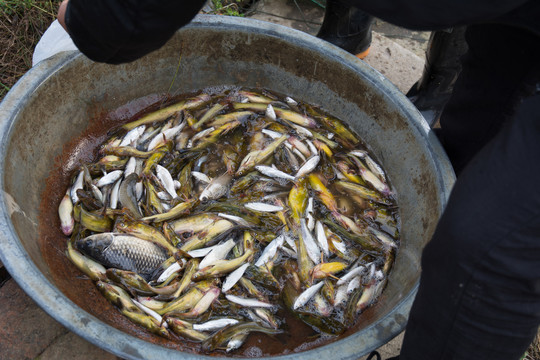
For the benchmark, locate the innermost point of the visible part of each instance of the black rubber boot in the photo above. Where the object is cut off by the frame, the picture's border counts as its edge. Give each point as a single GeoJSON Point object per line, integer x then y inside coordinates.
{"type": "Point", "coordinates": [347, 27]}
{"type": "Point", "coordinates": [374, 356]}
{"type": "Point", "coordinates": [443, 65]}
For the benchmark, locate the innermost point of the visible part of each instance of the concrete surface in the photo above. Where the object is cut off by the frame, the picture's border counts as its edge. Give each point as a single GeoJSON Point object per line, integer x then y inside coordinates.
{"type": "Point", "coordinates": [26, 332]}
{"type": "Point", "coordinates": [398, 64]}
{"type": "Point", "coordinates": [396, 53]}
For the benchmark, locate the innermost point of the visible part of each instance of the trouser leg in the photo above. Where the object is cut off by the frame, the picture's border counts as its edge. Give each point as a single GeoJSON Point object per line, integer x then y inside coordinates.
{"type": "Point", "coordinates": [346, 26]}
{"type": "Point", "coordinates": [479, 294]}
{"type": "Point", "coordinates": [441, 70]}
{"type": "Point", "coordinates": [497, 72]}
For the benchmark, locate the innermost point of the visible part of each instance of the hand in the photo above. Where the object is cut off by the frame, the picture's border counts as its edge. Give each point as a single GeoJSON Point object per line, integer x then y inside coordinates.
{"type": "Point", "coordinates": [62, 13]}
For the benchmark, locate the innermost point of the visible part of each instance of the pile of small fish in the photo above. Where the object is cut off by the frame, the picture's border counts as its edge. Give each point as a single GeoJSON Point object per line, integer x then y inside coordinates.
{"type": "Point", "coordinates": [210, 218]}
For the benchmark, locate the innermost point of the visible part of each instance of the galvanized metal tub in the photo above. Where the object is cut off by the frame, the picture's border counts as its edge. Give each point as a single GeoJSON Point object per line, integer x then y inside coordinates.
{"type": "Point", "coordinates": [54, 102]}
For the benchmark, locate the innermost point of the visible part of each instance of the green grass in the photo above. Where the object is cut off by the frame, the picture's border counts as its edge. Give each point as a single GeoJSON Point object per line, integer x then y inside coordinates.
{"type": "Point", "coordinates": [22, 23]}
{"type": "Point", "coordinates": [229, 8]}
{"type": "Point", "coordinates": [11, 7]}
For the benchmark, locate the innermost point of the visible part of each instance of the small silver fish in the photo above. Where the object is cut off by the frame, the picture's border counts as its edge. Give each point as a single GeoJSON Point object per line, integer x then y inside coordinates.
{"type": "Point", "coordinates": [274, 173]}
{"type": "Point", "coordinates": [354, 284]}
{"type": "Point", "coordinates": [114, 194]}
{"type": "Point", "coordinates": [130, 166]}
{"type": "Point", "coordinates": [162, 137]}
{"type": "Point", "coordinates": [169, 271]}
{"type": "Point", "coordinates": [218, 253]}
{"type": "Point", "coordinates": [299, 154]}
{"type": "Point", "coordinates": [139, 190]}
{"type": "Point", "coordinates": [379, 275]}
{"type": "Point", "coordinates": [272, 134]}
{"type": "Point", "coordinates": [376, 168]}
{"type": "Point", "coordinates": [384, 238]}
{"type": "Point", "coordinates": [78, 184]}
{"type": "Point", "coordinates": [132, 136]}
{"type": "Point", "coordinates": [300, 130]}
{"type": "Point", "coordinates": [166, 180]}
{"type": "Point", "coordinates": [309, 207]}
{"type": "Point", "coordinates": [263, 207]}
{"type": "Point", "coordinates": [299, 145]}
{"type": "Point", "coordinates": [290, 253]}
{"type": "Point", "coordinates": [164, 196]}
{"type": "Point", "coordinates": [270, 250]}
{"type": "Point", "coordinates": [321, 238]}
{"type": "Point", "coordinates": [270, 113]}
{"type": "Point", "coordinates": [236, 341]}
{"type": "Point", "coordinates": [311, 245]}
{"type": "Point", "coordinates": [304, 297]}
{"type": "Point", "coordinates": [308, 166]}
{"type": "Point", "coordinates": [110, 178]}
{"type": "Point", "coordinates": [146, 136]}
{"type": "Point", "coordinates": [123, 251]}
{"type": "Point", "coordinates": [340, 246]}
{"type": "Point", "coordinates": [372, 164]}
{"type": "Point", "coordinates": [150, 312]}
{"type": "Point", "coordinates": [351, 274]}
{"type": "Point", "coordinates": [97, 193]}
{"type": "Point", "coordinates": [200, 135]}
{"type": "Point", "coordinates": [236, 219]}
{"type": "Point", "coordinates": [290, 101]}
{"type": "Point", "coordinates": [290, 241]}
{"type": "Point", "coordinates": [216, 188]}
{"type": "Point", "coordinates": [201, 252]}
{"type": "Point", "coordinates": [214, 324]}
{"type": "Point", "coordinates": [128, 196]}
{"type": "Point", "coordinates": [201, 177]}
{"type": "Point", "coordinates": [340, 295]}
{"type": "Point", "coordinates": [371, 270]}
{"type": "Point", "coordinates": [233, 277]}
{"type": "Point", "coordinates": [247, 301]}
{"type": "Point", "coordinates": [312, 147]}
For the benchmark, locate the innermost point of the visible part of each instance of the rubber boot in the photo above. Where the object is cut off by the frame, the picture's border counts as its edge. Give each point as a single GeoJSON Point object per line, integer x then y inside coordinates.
{"type": "Point", "coordinates": [347, 27]}
{"type": "Point", "coordinates": [443, 65]}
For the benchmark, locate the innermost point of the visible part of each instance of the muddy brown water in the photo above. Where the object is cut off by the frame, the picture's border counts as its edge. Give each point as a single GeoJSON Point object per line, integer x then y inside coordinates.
{"type": "Point", "coordinates": [78, 288]}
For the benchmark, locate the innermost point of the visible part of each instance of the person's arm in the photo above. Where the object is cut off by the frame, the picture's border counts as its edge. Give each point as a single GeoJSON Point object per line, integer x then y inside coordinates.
{"type": "Point", "coordinates": [440, 14]}
{"type": "Point", "coordinates": [118, 31]}
{"type": "Point", "coordinates": [62, 14]}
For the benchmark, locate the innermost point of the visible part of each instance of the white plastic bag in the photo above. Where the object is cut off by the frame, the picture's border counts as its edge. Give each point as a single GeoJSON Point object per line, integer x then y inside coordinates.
{"type": "Point", "coordinates": [54, 40]}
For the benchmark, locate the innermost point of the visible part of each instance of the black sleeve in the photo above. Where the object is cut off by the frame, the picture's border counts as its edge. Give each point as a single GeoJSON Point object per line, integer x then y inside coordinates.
{"type": "Point", "coordinates": [119, 31]}
{"type": "Point", "coordinates": [440, 14]}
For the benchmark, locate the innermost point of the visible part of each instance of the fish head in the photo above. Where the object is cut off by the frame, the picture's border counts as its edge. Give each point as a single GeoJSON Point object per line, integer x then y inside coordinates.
{"type": "Point", "coordinates": [94, 245]}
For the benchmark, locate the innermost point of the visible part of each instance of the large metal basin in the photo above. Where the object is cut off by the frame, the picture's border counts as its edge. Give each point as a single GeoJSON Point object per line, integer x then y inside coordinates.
{"type": "Point", "coordinates": [53, 103]}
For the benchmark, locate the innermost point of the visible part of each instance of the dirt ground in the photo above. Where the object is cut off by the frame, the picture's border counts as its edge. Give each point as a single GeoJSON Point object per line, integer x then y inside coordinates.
{"type": "Point", "coordinates": [22, 22]}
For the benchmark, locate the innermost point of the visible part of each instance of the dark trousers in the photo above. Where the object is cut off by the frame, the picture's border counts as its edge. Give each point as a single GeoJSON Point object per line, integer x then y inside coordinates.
{"type": "Point", "coordinates": [479, 294]}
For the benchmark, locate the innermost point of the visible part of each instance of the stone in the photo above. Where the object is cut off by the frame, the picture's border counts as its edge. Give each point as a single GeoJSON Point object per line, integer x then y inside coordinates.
{"type": "Point", "coordinates": [25, 329]}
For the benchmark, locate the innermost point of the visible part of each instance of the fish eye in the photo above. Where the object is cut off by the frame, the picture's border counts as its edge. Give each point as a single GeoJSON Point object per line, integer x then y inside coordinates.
{"type": "Point", "coordinates": [187, 234]}
{"type": "Point", "coordinates": [88, 243]}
